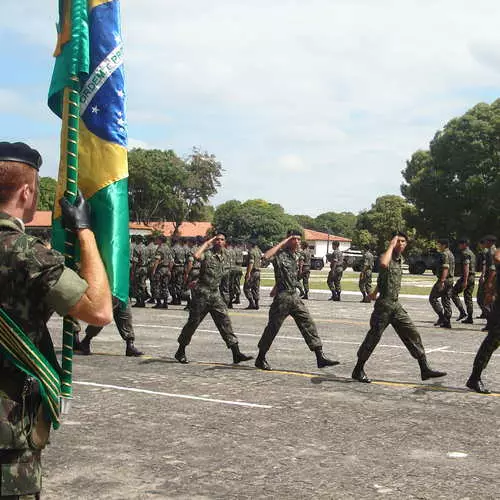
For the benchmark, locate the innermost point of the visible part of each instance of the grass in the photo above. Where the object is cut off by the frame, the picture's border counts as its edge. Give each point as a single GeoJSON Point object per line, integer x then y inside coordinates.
{"type": "Point", "coordinates": [412, 284]}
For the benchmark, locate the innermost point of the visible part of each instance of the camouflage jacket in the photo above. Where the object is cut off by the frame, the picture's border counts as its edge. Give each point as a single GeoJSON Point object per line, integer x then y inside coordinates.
{"type": "Point", "coordinates": [151, 249]}
{"type": "Point", "coordinates": [140, 258]}
{"type": "Point", "coordinates": [389, 280]}
{"type": "Point", "coordinates": [368, 261]}
{"type": "Point", "coordinates": [254, 257]}
{"type": "Point", "coordinates": [238, 257]}
{"type": "Point", "coordinates": [164, 255]}
{"type": "Point", "coordinates": [212, 269]}
{"type": "Point", "coordinates": [469, 258]}
{"type": "Point", "coordinates": [286, 267]}
{"type": "Point", "coordinates": [446, 261]}
{"type": "Point", "coordinates": [179, 255]}
{"type": "Point", "coordinates": [336, 259]}
{"type": "Point", "coordinates": [305, 258]}
{"type": "Point", "coordinates": [33, 282]}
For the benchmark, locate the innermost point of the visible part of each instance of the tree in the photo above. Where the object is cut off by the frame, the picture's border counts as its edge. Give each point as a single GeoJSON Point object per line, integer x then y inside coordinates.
{"type": "Point", "coordinates": [338, 223]}
{"type": "Point", "coordinates": [389, 213]}
{"type": "Point", "coordinates": [47, 196]}
{"type": "Point", "coordinates": [455, 184]}
{"type": "Point", "coordinates": [164, 187]}
{"type": "Point", "coordinates": [265, 222]}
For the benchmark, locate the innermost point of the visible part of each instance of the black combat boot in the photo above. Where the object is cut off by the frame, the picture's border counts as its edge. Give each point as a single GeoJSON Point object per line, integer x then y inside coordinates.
{"type": "Point", "coordinates": [338, 297]}
{"type": "Point", "coordinates": [139, 303]}
{"type": "Point", "coordinates": [230, 305]}
{"type": "Point", "coordinates": [237, 300]}
{"type": "Point", "coordinates": [84, 347]}
{"type": "Point", "coordinates": [151, 300]}
{"type": "Point", "coordinates": [468, 320]}
{"type": "Point", "coordinates": [333, 296]}
{"type": "Point", "coordinates": [306, 296]}
{"type": "Point", "coordinates": [131, 350]}
{"type": "Point", "coordinates": [461, 316]}
{"type": "Point", "coordinates": [427, 372]}
{"type": "Point", "coordinates": [238, 356]}
{"type": "Point", "coordinates": [251, 304]}
{"type": "Point", "coordinates": [322, 360]}
{"type": "Point", "coordinates": [261, 361]}
{"type": "Point", "coordinates": [368, 299]}
{"type": "Point", "coordinates": [257, 304]}
{"type": "Point", "coordinates": [180, 355]}
{"type": "Point", "coordinates": [440, 320]}
{"type": "Point", "coordinates": [364, 297]}
{"type": "Point", "coordinates": [445, 323]}
{"type": "Point", "coordinates": [158, 304]}
{"type": "Point", "coordinates": [359, 373]}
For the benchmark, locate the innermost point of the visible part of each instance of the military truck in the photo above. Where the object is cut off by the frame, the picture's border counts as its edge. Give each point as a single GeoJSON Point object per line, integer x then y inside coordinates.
{"type": "Point", "coordinates": [419, 263]}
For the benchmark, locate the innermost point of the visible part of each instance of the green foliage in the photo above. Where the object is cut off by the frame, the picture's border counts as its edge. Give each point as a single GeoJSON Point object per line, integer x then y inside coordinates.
{"type": "Point", "coordinates": [363, 237]}
{"type": "Point", "coordinates": [266, 222]}
{"type": "Point", "coordinates": [164, 187]}
{"type": "Point", "coordinates": [338, 223]}
{"type": "Point", "coordinates": [454, 186]}
{"type": "Point", "coordinates": [388, 214]}
{"type": "Point", "coordinates": [47, 196]}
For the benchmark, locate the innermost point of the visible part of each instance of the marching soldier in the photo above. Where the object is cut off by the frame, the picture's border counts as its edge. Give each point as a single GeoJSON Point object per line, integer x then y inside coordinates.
{"type": "Point", "coordinates": [365, 277]}
{"type": "Point", "coordinates": [443, 286]}
{"type": "Point", "coordinates": [336, 272]}
{"type": "Point", "coordinates": [305, 269]}
{"type": "Point", "coordinates": [162, 272]}
{"type": "Point", "coordinates": [465, 283]}
{"type": "Point", "coordinates": [236, 274]}
{"type": "Point", "coordinates": [140, 272]}
{"type": "Point", "coordinates": [285, 258]}
{"type": "Point", "coordinates": [388, 311]}
{"type": "Point", "coordinates": [251, 286]}
{"type": "Point", "coordinates": [207, 299]}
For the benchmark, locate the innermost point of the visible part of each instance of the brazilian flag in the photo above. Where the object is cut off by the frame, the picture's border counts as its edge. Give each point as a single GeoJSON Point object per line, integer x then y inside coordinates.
{"type": "Point", "coordinates": [102, 153]}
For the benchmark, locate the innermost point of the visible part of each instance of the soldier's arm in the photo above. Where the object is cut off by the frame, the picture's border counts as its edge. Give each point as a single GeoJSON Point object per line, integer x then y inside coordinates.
{"type": "Point", "coordinates": [275, 249]}
{"type": "Point", "coordinates": [385, 258]}
{"type": "Point", "coordinates": [465, 273]}
{"type": "Point", "coordinates": [187, 270]}
{"type": "Point", "coordinates": [199, 253]}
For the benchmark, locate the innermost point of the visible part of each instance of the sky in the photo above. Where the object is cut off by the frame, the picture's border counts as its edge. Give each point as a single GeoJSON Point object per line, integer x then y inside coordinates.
{"type": "Point", "coordinates": [315, 105]}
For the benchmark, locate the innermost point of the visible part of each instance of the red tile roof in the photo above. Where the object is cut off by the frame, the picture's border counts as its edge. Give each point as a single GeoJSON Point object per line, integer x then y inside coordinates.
{"type": "Point", "coordinates": [41, 219]}
{"type": "Point", "coordinates": [311, 235]}
{"type": "Point", "coordinates": [186, 229]}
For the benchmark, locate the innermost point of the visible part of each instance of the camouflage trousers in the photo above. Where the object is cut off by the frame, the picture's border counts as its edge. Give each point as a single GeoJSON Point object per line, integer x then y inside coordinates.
{"type": "Point", "coordinates": [304, 277]}
{"type": "Point", "coordinates": [122, 315]}
{"type": "Point", "coordinates": [491, 342]}
{"type": "Point", "coordinates": [225, 287]}
{"type": "Point", "coordinates": [443, 309]}
{"type": "Point", "coordinates": [289, 304]}
{"type": "Point", "coordinates": [334, 277]}
{"type": "Point", "coordinates": [251, 288]}
{"type": "Point", "coordinates": [235, 281]}
{"type": "Point", "coordinates": [177, 283]}
{"type": "Point", "coordinates": [202, 303]}
{"type": "Point", "coordinates": [387, 313]}
{"type": "Point", "coordinates": [160, 283]}
{"type": "Point", "coordinates": [469, 288]}
{"type": "Point", "coordinates": [365, 282]}
{"type": "Point", "coordinates": [140, 285]}
{"type": "Point", "coordinates": [480, 296]}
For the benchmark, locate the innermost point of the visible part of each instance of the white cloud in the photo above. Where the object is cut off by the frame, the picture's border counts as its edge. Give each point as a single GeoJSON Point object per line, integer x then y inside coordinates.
{"type": "Point", "coordinates": [351, 87]}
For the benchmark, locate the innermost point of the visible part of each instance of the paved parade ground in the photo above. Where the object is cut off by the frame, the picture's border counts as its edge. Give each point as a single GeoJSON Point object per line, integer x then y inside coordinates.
{"type": "Point", "coordinates": [149, 427]}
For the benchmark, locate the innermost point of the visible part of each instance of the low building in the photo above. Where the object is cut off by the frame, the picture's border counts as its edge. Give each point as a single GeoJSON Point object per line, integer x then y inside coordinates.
{"type": "Point", "coordinates": [321, 243]}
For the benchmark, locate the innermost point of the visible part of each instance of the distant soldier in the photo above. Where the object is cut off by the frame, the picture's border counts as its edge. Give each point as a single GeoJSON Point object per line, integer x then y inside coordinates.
{"type": "Point", "coordinates": [285, 259]}
{"type": "Point", "coordinates": [162, 272]}
{"type": "Point", "coordinates": [176, 282]}
{"type": "Point", "coordinates": [305, 268]}
{"type": "Point", "coordinates": [140, 272]}
{"type": "Point", "coordinates": [207, 299]}
{"type": "Point", "coordinates": [225, 283]}
{"type": "Point", "coordinates": [251, 286]}
{"type": "Point", "coordinates": [388, 311]}
{"type": "Point", "coordinates": [192, 270]}
{"type": "Point", "coordinates": [465, 283]}
{"type": "Point", "coordinates": [481, 269]}
{"type": "Point", "coordinates": [365, 277]}
{"type": "Point", "coordinates": [492, 341]}
{"type": "Point", "coordinates": [489, 276]}
{"type": "Point", "coordinates": [236, 274]}
{"type": "Point", "coordinates": [151, 247]}
{"type": "Point", "coordinates": [131, 289]}
{"type": "Point", "coordinates": [336, 272]}
{"type": "Point", "coordinates": [443, 287]}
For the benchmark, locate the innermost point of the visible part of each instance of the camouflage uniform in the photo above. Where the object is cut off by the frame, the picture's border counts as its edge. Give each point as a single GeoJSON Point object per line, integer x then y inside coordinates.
{"type": "Point", "coordinates": [151, 248]}
{"type": "Point", "coordinates": [306, 255]}
{"type": "Point", "coordinates": [251, 287]}
{"type": "Point", "coordinates": [225, 284]}
{"type": "Point", "coordinates": [207, 299]}
{"type": "Point", "coordinates": [480, 267]}
{"type": "Point", "coordinates": [446, 261]}
{"type": "Point", "coordinates": [140, 264]}
{"type": "Point", "coordinates": [122, 315]}
{"type": "Point", "coordinates": [286, 302]}
{"type": "Point", "coordinates": [33, 284]}
{"type": "Point", "coordinates": [235, 276]}
{"type": "Point", "coordinates": [388, 311]}
{"type": "Point", "coordinates": [335, 274]}
{"type": "Point", "coordinates": [162, 275]}
{"type": "Point", "coordinates": [468, 258]}
{"type": "Point", "coordinates": [132, 279]}
{"type": "Point", "coordinates": [365, 278]}
{"type": "Point", "coordinates": [177, 279]}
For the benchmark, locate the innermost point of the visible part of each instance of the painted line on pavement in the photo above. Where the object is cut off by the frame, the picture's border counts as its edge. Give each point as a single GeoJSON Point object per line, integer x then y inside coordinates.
{"type": "Point", "coordinates": [180, 396]}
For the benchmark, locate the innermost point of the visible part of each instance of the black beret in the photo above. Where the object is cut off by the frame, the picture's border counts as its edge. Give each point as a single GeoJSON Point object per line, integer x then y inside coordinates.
{"type": "Point", "coordinates": [20, 152]}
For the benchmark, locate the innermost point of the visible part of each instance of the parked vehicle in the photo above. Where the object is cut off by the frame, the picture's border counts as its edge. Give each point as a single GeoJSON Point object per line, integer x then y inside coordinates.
{"type": "Point", "coordinates": [419, 263]}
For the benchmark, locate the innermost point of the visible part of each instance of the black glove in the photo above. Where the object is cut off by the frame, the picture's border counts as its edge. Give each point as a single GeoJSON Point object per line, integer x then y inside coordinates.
{"type": "Point", "coordinates": [75, 216]}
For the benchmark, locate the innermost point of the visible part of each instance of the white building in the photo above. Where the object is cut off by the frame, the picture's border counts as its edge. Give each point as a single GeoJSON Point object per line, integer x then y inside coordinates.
{"type": "Point", "coordinates": [321, 243]}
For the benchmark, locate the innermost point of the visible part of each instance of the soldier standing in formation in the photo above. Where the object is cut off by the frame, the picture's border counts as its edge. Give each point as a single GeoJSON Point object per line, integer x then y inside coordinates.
{"type": "Point", "coordinates": [481, 269]}
{"type": "Point", "coordinates": [177, 279]}
{"type": "Point", "coordinates": [388, 311]}
{"type": "Point", "coordinates": [285, 258]}
{"type": "Point", "coordinates": [34, 283]}
{"type": "Point", "coordinates": [140, 272]}
{"type": "Point", "coordinates": [365, 277]}
{"type": "Point", "coordinates": [235, 275]}
{"type": "Point", "coordinates": [489, 275]}
{"type": "Point", "coordinates": [443, 287]}
{"type": "Point", "coordinates": [465, 283]}
{"type": "Point", "coordinates": [492, 341]}
{"type": "Point", "coordinates": [251, 286]}
{"type": "Point", "coordinates": [225, 283]}
{"type": "Point", "coordinates": [305, 269]}
{"type": "Point", "coordinates": [151, 248]}
{"type": "Point", "coordinates": [336, 272]}
{"type": "Point", "coordinates": [161, 273]}
{"type": "Point", "coordinates": [207, 299]}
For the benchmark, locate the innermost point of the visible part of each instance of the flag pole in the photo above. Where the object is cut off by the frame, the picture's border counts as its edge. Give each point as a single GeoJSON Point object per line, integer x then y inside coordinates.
{"type": "Point", "coordinates": [70, 133]}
